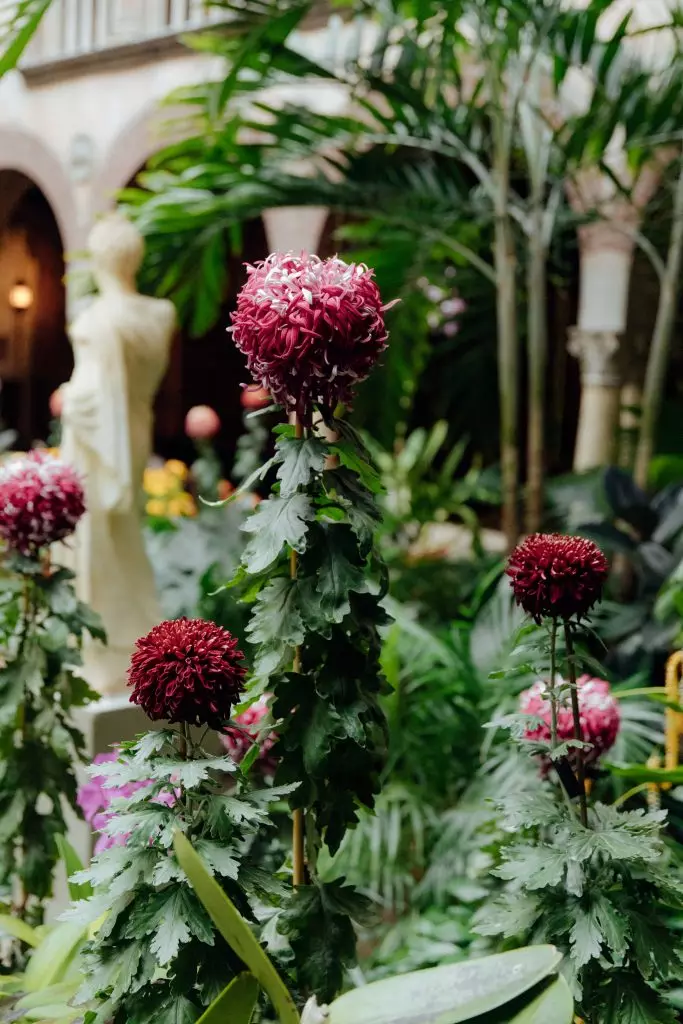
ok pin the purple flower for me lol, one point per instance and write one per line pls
(94, 799)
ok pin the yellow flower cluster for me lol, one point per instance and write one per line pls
(165, 490)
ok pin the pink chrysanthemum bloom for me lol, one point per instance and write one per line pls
(41, 501)
(598, 712)
(202, 423)
(557, 576)
(187, 670)
(311, 329)
(244, 730)
(95, 799)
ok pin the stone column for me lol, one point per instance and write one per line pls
(294, 228)
(606, 249)
(600, 396)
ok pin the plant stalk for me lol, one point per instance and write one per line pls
(552, 693)
(660, 347)
(298, 820)
(508, 357)
(576, 715)
(537, 359)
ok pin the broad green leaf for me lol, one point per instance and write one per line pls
(72, 865)
(277, 523)
(18, 930)
(53, 1012)
(450, 994)
(235, 1004)
(554, 1005)
(53, 994)
(641, 773)
(235, 930)
(53, 957)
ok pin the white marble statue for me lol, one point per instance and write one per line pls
(121, 346)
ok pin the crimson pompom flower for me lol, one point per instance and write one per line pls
(187, 670)
(557, 576)
(246, 729)
(311, 329)
(41, 501)
(598, 713)
(202, 423)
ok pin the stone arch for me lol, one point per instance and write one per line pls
(22, 152)
(130, 150)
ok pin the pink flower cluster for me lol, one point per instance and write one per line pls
(311, 329)
(41, 501)
(95, 798)
(245, 730)
(599, 715)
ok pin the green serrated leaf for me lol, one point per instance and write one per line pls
(278, 524)
(585, 938)
(352, 459)
(361, 509)
(190, 774)
(276, 616)
(171, 917)
(219, 858)
(337, 575)
(300, 459)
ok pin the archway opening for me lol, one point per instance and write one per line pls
(35, 355)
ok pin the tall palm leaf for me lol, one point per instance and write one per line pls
(421, 148)
(17, 27)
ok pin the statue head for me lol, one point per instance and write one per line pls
(116, 249)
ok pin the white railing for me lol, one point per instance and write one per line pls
(72, 28)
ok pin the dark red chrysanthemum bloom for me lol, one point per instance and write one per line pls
(187, 670)
(41, 501)
(311, 329)
(557, 576)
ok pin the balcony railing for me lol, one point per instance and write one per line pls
(78, 28)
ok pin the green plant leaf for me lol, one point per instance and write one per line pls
(235, 930)
(235, 1004)
(641, 773)
(22, 26)
(553, 1003)
(53, 994)
(450, 994)
(19, 930)
(276, 616)
(300, 460)
(277, 523)
(73, 864)
(54, 956)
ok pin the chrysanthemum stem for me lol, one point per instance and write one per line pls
(552, 693)
(576, 715)
(298, 822)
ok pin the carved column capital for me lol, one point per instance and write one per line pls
(596, 351)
